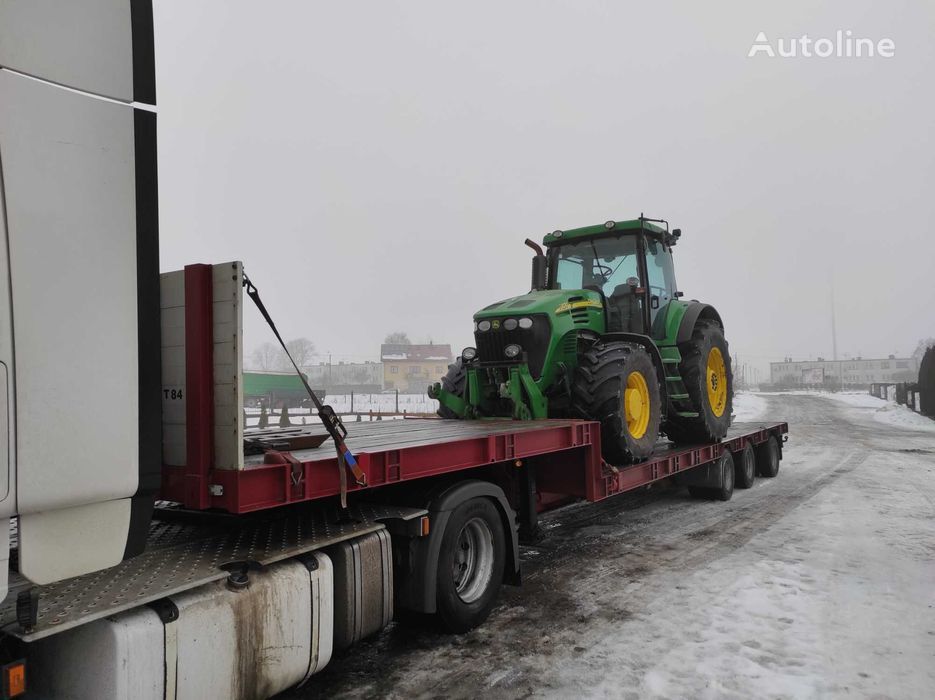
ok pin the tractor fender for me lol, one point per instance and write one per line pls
(650, 346)
(418, 593)
(696, 311)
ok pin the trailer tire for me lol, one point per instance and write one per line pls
(726, 489)
(453, 382)
(745, 466)
(767, 458)
(470, 565)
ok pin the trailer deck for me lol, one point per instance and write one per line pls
(567, 453)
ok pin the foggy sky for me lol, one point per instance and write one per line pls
(377, 165)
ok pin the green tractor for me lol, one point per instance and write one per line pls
(603, 335)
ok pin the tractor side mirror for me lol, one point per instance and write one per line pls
(539, 266)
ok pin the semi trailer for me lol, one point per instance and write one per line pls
(155, 547)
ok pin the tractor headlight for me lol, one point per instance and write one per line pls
(483, 326)
(468, 354)
(475, 326)
(510, 324)
(525, 323)
(512, 351)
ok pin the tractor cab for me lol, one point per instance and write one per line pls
(628, 263)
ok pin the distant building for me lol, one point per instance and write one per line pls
(857, 372)
(412, 368)
(347, 377)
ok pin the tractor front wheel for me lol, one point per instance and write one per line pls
(616, 384)
(453, 382)
(706, 372)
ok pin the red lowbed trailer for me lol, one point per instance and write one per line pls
(250, 548)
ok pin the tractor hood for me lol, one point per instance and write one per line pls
(547, 301)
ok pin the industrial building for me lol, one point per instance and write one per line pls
(851, 372)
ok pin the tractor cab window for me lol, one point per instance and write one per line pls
(661, 274)
(600, 264)
(604, 265)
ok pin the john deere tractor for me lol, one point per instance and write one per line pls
(604, 335)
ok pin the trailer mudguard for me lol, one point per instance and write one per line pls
(417, 589)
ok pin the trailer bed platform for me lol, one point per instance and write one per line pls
(568, 453)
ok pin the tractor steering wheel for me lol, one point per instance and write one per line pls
(605, 271)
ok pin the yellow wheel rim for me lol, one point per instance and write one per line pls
(636, 405)
(717, 382)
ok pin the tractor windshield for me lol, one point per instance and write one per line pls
(598, 263)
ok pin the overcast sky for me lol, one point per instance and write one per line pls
(377, 165)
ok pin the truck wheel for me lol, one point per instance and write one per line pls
(767, 458)
(616, 384)
(745, 466)
(470, 565)
(706, 372)
(726, 490)
(453, 382)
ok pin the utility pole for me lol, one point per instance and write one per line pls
(834, 331)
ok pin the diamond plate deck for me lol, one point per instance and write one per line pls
(180, 557)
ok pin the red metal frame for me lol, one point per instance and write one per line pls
(566, 453)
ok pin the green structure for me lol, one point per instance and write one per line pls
(274, 389)
(603, 335)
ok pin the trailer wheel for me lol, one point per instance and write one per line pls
(470, 565)
(767, 458)
(726, 489)
(745, 466)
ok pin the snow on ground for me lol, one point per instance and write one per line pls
(748, 407)
(881, 410)
(815, 584)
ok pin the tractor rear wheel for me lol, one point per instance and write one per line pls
(453, 382)
(706, 372)
(616, 384)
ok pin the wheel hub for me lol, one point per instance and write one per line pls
(636, 404)
(716, 371)
(472, 566)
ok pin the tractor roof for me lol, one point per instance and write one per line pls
(557, 237)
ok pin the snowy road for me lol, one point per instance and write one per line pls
(819, 583)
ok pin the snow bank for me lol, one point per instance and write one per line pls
(886, 412)
(748, 407)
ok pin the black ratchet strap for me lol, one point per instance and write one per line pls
(331, 420)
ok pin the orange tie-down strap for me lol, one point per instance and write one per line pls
(298, 473)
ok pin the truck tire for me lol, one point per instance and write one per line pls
(706, 372)
(616, 384)
(453, 382)
(767, 458)
(745, 466)
(470, 565)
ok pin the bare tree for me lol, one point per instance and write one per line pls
(267, 357)
(397, 338)
(302, 351)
